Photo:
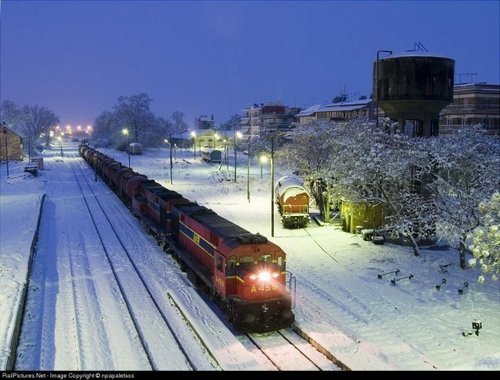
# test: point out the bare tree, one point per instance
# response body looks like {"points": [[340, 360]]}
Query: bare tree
{"points": [[178, 123]]}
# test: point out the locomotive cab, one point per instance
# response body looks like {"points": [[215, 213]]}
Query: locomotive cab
{"points": [[255, 287]]}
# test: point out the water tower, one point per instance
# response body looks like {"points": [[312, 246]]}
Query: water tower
{"points": [[413, 88]]}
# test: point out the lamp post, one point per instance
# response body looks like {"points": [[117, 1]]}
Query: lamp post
{"points": [[272, 186], [126, 133], [216, 138], [248, 170], [263, 160], [226, 151], [376, 82], [6, 150], [171, 163], [59, 138], [193, 135], [236, 135]]}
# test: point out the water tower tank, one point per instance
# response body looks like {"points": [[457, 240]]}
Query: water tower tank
{"points": [[416, 87]]}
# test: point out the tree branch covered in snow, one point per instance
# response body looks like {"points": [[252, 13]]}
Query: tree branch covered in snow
{"points": [[486, 238], [428, 185]]}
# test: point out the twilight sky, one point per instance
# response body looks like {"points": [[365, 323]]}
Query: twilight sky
{"points": [[218, 57]]}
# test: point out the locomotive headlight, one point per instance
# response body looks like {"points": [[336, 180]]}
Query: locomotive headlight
{"points": [[264, 276]]}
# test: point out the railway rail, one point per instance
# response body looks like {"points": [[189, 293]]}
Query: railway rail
{"points": [[286, 350], [39, 309]]}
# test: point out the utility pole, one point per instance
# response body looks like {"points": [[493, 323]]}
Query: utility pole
{"points": [[272, 186], [171, 162]]}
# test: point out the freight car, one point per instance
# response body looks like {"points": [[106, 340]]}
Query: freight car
{"points": [[242, 271], [211, 155], [292, 200]]}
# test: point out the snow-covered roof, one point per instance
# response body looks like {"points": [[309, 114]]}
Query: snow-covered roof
{"points": [[309, 111], [410, 54], [359, 102], [343, 106]]}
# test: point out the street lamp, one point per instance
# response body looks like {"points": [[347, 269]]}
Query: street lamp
{"points": [[272, 186], [226, 149], [263, 160], [248, 171], [216, 138], [171, 164], [193, 135], [236, 135], [6, 150], [377, 92], [125, 133], [60, 143]]}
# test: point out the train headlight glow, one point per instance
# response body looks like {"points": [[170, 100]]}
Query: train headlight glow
{"points": [[264, 276]]}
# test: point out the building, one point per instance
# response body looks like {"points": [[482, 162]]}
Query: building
{"points": [[204, 122], [337, 111], [209, 138], [11, 144], [268, 117], [473, 104]]}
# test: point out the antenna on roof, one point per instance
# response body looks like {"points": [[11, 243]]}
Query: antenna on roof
{"points": [[419, 46]]}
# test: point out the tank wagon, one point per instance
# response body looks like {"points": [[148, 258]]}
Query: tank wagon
{"points": [[292, 199]]}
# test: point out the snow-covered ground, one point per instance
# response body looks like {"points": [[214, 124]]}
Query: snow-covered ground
{"points": [[365, 321]]}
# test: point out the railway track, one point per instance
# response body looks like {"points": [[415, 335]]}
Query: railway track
{"points": [[285, 350], [194, 363], [91, 308]]}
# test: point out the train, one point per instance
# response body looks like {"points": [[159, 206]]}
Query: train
{"points": [[243, 272], [292, 199], [135, 148], [211, 155]]}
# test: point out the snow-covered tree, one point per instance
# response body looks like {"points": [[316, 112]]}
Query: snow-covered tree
{"points": [[132, 112], [486, 238], [308, 152], [29, 121], [178, 123], [464, 168], [105, 125], [11, 115], [232, 124]]}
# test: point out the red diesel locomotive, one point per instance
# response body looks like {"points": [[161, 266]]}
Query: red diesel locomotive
{"points": [[243, 272]]}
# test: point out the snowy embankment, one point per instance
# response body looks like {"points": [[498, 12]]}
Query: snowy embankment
{"points": [[19, 220]]}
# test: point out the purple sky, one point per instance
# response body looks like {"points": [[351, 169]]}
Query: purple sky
{"points": [[202, 57]]}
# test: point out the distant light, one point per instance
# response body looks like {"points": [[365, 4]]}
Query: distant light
{"points": [[125, 131], [263, 159]]}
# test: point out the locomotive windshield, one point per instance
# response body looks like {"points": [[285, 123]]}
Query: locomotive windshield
{"points": [[247, 262]]}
